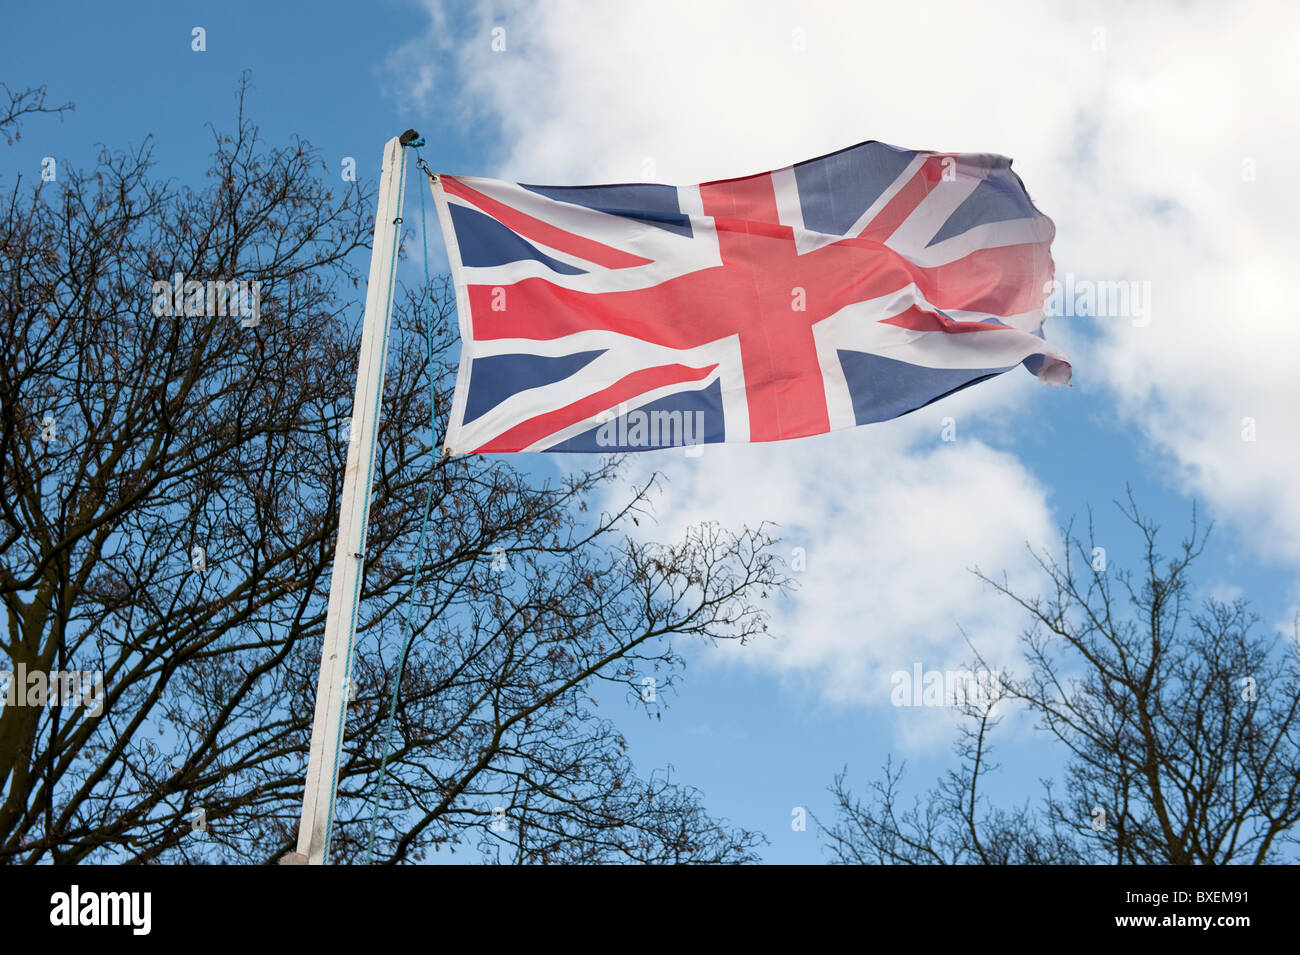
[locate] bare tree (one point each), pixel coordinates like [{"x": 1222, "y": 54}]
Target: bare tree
[
  {"x": 1177, "y": 721},
  {"x": 170, "y": 497},
  {"x": 15, "y": 105}
]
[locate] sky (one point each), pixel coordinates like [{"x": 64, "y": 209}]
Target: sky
[{"x": 1161, "y": 139}]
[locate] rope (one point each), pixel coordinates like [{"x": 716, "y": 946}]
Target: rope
[{"x": 421, "y": 547}]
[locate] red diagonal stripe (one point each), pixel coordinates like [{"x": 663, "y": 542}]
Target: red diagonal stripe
[
  {"x": 626, "y": 388},
  {"x": 904, "y": 202},
  {"x": 921, "y": 320},
  {"x": 544, "y": 232}
]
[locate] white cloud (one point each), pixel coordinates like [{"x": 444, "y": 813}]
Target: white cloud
[
  {"x": 889, "y": 521},
  {"x": 1194, "y": 104},
  {"x": 1130, "y": 128}
]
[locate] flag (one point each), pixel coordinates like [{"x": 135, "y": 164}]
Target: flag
[{"x": 836, "y": 292}]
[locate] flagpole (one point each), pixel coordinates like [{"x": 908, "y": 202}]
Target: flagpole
[{"x": 349, "y": 553}]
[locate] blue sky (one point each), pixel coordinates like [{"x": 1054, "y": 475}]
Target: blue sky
[{"x": 1155, "y": 166}]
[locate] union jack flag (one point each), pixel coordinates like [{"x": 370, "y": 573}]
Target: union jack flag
[{"x": 840, "y": 291}]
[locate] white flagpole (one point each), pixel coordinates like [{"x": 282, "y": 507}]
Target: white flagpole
[{"x": 349, "y": 554}]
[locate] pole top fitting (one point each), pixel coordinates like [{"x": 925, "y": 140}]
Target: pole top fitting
[{"x": 411, "y": 138}]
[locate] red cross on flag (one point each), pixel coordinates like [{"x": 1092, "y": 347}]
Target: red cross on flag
[{"x": 836, "y": 292}]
